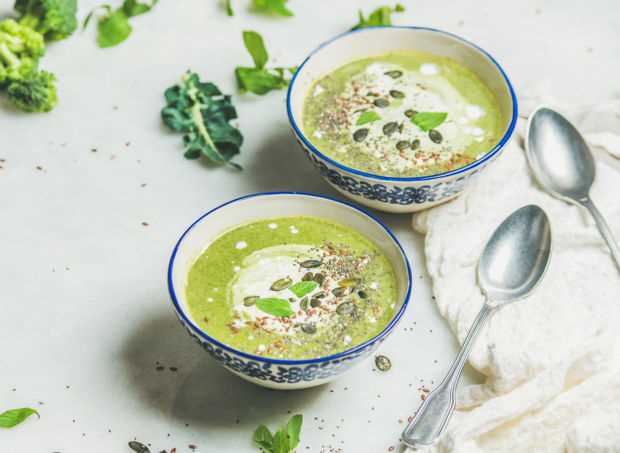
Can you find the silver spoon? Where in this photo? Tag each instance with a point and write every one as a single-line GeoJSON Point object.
{"type": "Point", "coordinates": [512, 263]}
{"type": "Point", "coordinates": [564, 166]}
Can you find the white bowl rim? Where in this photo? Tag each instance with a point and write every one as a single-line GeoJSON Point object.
{"type": "Point", "coordinates": [380, 336]}
{"type": "Point", "coordinates": [489, 154]}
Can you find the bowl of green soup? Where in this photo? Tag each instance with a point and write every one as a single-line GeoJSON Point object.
{"type": "Point", "coordinates": [289, 290]}
{"type": "Point", "coordinates": [401, 118]}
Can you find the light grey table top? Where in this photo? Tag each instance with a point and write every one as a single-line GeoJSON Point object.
{"type": "Point", "coordinates": [85, 313]}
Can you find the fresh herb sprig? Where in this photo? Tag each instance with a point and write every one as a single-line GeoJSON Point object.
{"type": "Point", "coordinates": [113, 26]}
{"type": "Point", "coordinates": [259, 79]}
{"type": "Point", "coordinates": [271, 7]}
{"type": "Point", "coordinates": [14, 417]}
{"type": "Point", "coordinates": [202, 113]}
{"type": "Point", "coordinates": [285, 440]}
{"type": "Point", "coordinates": [379, 17]}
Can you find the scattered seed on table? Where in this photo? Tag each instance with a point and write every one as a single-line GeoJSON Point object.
{"type": "Point", "coordinates": [138, 447]}
{"type": "Point", "coordinates": [383, 363]}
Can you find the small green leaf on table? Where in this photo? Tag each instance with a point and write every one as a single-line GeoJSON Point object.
{"type": "Point", "coordinates": [14, 417]}
{"type": "Point", "coordinates": [381, 16]}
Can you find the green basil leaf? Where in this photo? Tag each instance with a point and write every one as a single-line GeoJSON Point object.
{"type": "Point", "coordinates": [280, 442]}
{"type": "Point", "coordinates": [14, 417]}
{"type": "Point", "coordinates": [300, 289]}
{"type": "Point", "coordinates": [274, 306]}
{"type": "Point", "coordinates": [381, 16]}
{"type": "Point", "coordinates": [259, 81]}
{"type": "Point", "coordinates": [294, 429]}
{"type": "Point", "coordinates": [263, 438]}
{"type": "Point", "coordinates": [367, 117]}
{"type": "Point", "coordinates": [272, 7]}
{"type": "Point", "coordinates": [255, 45]}
{"type": "Point", "coordinates": [428, 120]}
{"type": "Point", "coordinates": [113, 29]}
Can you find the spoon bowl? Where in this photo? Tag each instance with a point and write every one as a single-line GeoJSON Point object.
{"type": "Point", "coordinates": [516, 256]}
{"type": "Point", "coordinates": [559, 156]}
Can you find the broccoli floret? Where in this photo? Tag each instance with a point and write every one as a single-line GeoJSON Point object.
{"type": "Point", "coordinates": [54, 19]}
{"type": "Point", "coordinates": [20, 50]}
{"type": "Point", "coordinates": [36, 93]}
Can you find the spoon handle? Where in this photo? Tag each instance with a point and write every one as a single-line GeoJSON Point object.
{"type": "Point", "coordinates": [434, 414]}
{"type": "Point", "coordinates": [603, 227]}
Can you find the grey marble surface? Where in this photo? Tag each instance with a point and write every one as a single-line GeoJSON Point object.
{"type": "Point", "coordinates": [85, 314]}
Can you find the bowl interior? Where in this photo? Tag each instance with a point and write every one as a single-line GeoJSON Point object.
{"type": "Point", "coordinates": [263, 206]}
{"type": "Point", "coordinates": [377, 41]}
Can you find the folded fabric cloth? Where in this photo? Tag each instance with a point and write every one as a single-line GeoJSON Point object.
{"type": "Point", "coordinates": [552, 361]}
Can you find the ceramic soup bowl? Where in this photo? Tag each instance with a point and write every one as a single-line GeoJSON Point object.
{"type": "Point", "coordinates": [394, 194]}
{"type": "Point", "coordinates": [264, 371]}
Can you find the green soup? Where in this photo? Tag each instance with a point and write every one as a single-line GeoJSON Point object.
{"type": "Point", "coordinates": [402, 114]}
{"type": "Point", "coordinates": [292, 288]}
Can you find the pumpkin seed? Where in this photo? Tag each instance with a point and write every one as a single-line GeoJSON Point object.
{"type": "Point", "coordinates": [310, 263]}
{"type": "Point", "coordinates": [401, 127]}
{"type": "Point", "coordinates": [314, 302]}
{"type": "Point", "coordinates": [308, 327]}
{"type": "Point", "coordinates": [415, 144]}
{"type": "Point", "coordinates": [346, 309]}
{"type": "Point", "coordinates": [340, 291]}
{"type": "Point", "coordinates": [308, 276]}
{"type": "Point", "coordinates": [319, 278]}
{"type": "Point", "coordinates": [394, 74]}
{"type": "Point", "coordinates": [349, 282]}
{"type": "Point", "coordinates": [250, 300]}
{"type": "Point", "coordinates": [397, 94]}
{"type": "Point", "coordinates": [410, 113]}
{"type": "Point", "coordinates": [375, 95]}
{"type": "Point", "coordinates": [390, 128]}
{"type": "Point", "coordinates": [401, 145]}
{"type": "Point", "coordinates": [281, 284]}
{"type": "Point", "coordinates": [362, 294]}
{"type": "Point", "coordinates": [381, 102]}
{"type": "Point", "coordinates": [383, 363]}
{"type": "Point", "coordinates": [435, 136]}
{"type": "Point", "coordinates": [304, 304]}
{"type": "Point", "coordinates": [320, 295]}
{"type": "Point", "coordinates": [138, 447]}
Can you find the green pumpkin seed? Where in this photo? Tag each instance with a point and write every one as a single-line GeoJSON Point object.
{"type": "Point", "coordinates": [314, 302]}
{"type": "Point", "coordinates": [281, 284]}
{"type": "Point", "coordinates": [340, 291]}
{"type": "Point", "coordinates": [395, 74]}
{"type": "Point", "coordinates": [308, 276]}
{"type": "Point", "coordinates": [360, 134]}
{"type": "Point", "coordinates": [397, 94]}
{"type": "Point", "coordinates": [304, 304]}
{"type": "Point", "coordinates": [415, 144]}
{"type": "Point", "coordinates": [250, 300]}
{"type": "Point", "coordinates": [362, 294]}
{"type": "Point", "coordinates": [390, 128]}
{"type": "Point", "coordinates": [401, 145]}
{"type": "Point", "coordinates": [309, 328]}
{"type": "Point", "coordinates": [319, 278]}
{"type": "Point", "coordinates": [349, 282]}
{"type": "Point", "coordinates": [410, 113]}
{"type": "Point", "coordinates": [346, 309]}
{"type": "Point", "coordinates": [320, 295]}
{"type": "Point", "coordinates": [138, 447]}
{"type": "Point", "coordinates": [381, 102]}
{"type": "Point", "coordinates": [435, 136]}
{"type": "Point", "coordinates": [310, 263]}
{"type": "Point", "coordinates": [383, 363]}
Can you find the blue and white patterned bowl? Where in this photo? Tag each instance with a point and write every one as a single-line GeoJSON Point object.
{"type": "Point", "coordinates": [392, 194]}
{"type": "Point", "coordinates": [274, 373]}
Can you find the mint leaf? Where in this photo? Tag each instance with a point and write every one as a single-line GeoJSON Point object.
{"type": "Point", "coordinates": [202, 113]}
{"type": "Point", "coordinates": [274, 306]}
{"type": "Point", "coordinates": [294, 429]}
{"type": "Point", "coordinates": [379, 17]}
{"type": "Point", "coordinates": [113, 29]}
{"type": "Point", "coordinates": [428, 120]}
{"type": "Point", "coordinates": [367, 117]}
{"type": "Point", "coordinates": [300, 289]}
{"type": "Point", "coordinates": [263, 438]}
{"type": "Point", "coordinates": [14, 417]}
{"type": "Point", "coordinates": [272, 7]}
{"type": "Point", "coordinates": [255, 45]}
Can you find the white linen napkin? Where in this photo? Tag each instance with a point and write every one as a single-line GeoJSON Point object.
{"type": "Point", "coordinates": [552, 361]}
